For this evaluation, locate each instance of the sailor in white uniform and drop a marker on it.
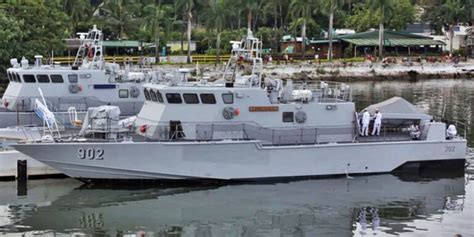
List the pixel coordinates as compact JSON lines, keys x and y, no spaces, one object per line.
{"x":365,"y":123}
{"x":377,"y":122}
{"x":451,"y":132}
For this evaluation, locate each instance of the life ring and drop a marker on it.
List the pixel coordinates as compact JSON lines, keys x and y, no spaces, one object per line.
{"x":74,"y":88}
{"x":228,"y":113}
{"x":134,"y":92}
{"x":300,"y":117}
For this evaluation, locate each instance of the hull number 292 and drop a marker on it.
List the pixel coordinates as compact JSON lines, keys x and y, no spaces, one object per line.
{"x":449,"y":149}
{"x":90,"y":153}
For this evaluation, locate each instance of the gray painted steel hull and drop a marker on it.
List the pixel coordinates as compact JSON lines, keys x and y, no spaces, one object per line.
{"x":231,"y":160}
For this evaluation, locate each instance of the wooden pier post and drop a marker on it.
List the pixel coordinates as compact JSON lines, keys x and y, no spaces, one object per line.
{"x":22,"y":177}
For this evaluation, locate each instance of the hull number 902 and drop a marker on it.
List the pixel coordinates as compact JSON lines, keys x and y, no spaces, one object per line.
{"x":90,"y":153}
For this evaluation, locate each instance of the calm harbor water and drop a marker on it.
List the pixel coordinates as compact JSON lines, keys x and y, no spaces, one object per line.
{"x":433,"y":203}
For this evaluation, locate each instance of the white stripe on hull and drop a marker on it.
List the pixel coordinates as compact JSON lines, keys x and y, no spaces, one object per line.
{"x":237,"y":160}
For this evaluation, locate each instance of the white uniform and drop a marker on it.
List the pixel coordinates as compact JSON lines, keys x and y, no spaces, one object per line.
{"x":451,"y":132}
{"x":377,"y":124}
{"x":415,"y":131}
{"x":365,"y":123}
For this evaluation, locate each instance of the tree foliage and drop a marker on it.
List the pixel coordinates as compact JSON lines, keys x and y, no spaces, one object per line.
{"x":38,"y":27}
{"x":28,"y":28}
{"x":364,"y":18}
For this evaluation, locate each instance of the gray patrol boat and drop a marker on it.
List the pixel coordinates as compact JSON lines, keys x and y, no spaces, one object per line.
{"x":88,"y":82}
{"x":243,"y":128}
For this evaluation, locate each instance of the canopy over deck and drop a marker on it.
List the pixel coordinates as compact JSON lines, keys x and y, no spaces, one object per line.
{"x":399,"y":108}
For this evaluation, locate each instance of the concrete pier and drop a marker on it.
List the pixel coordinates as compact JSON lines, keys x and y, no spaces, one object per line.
{"x":8,"y":165}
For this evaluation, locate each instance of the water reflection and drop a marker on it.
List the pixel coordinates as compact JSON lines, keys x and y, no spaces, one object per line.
{"x":432,"y":203}
{"x":327,"y":207}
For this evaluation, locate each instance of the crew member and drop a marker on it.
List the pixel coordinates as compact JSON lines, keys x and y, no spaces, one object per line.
{"x":451,"y":132}
{"x":415,"y":132}
{"x":365,"y":123}
{"x":377,"y":123}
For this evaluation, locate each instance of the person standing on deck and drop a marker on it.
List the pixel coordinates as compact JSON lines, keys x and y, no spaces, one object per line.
{"x":377,"y":123}
{"x":365,"y":123}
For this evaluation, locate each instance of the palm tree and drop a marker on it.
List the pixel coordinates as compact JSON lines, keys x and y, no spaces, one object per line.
{"x":187,"y":6}
{"x":215,"y":18}
{"x":301,"y":11}
{"x":451,"y":11}
{"x":251,"y":7}
{"x":78,"y":11}
{"x":331,"y":6}
{"x":153,"y":16}
{"x":385,"y":7}
{"x":271,"y":9}
{"x":119,"y":15}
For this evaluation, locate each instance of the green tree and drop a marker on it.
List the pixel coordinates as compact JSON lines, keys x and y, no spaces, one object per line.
{"x":119,"y":16}
{"x":384,"y":8}
{"x":363,"y":19}
{"x":451,"y":13}
{"x":301,"y":11}
{"x":331,"y":6}
{"x":187,"y":6}
{"x":153,"y":16}
{"x":215,"y":19}
{"x":28,"y":28}
{"x":10,"y":37}
{"x":79,"y":11}
{"x":252,"y":7}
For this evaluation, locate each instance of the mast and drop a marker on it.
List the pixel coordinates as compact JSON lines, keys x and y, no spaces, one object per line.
{"x":247,"y":50}
{"x":89,"y":55}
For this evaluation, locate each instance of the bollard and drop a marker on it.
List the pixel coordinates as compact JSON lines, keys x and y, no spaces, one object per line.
{"x":22,"y":177}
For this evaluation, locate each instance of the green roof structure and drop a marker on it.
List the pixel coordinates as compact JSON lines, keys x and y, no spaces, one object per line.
{"x":121,"y":43}
{"x":392,"y":39}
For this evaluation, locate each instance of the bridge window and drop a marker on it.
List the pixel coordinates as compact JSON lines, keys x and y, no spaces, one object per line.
{"x":228,"y":98}
{"x":153,"y":95}
{"x":208,"y":98}
{"x":147,"y":94}
{"x":43,"y":78}
{"x":288,"y":117}
{"x":159,"y":97}
{"x":9,"y":76}
{"x":57,"y":79}
{"x":191,"y":98}
{"x":174,"y":98}
{"x":29,"y":78}
{"x":15,"y":75}
{"x":72,"y":78}
{"x":123,"y":93}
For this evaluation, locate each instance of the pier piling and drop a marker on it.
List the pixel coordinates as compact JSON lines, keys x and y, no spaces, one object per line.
{"x":22,"y":177}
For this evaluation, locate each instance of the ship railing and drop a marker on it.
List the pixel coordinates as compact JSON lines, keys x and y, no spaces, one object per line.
{"x":267,"y":136}
{"x":248,"y":131}
{"x":461,"y":127}
{"x":327,"y":92}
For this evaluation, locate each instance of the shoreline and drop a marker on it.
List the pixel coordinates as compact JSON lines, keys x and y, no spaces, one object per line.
{"x":371,"y":72}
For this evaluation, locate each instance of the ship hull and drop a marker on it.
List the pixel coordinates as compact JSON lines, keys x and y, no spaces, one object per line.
{"x":236,"y":160}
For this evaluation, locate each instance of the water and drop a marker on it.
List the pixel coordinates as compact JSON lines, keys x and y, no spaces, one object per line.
{"x":434,"y":203}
